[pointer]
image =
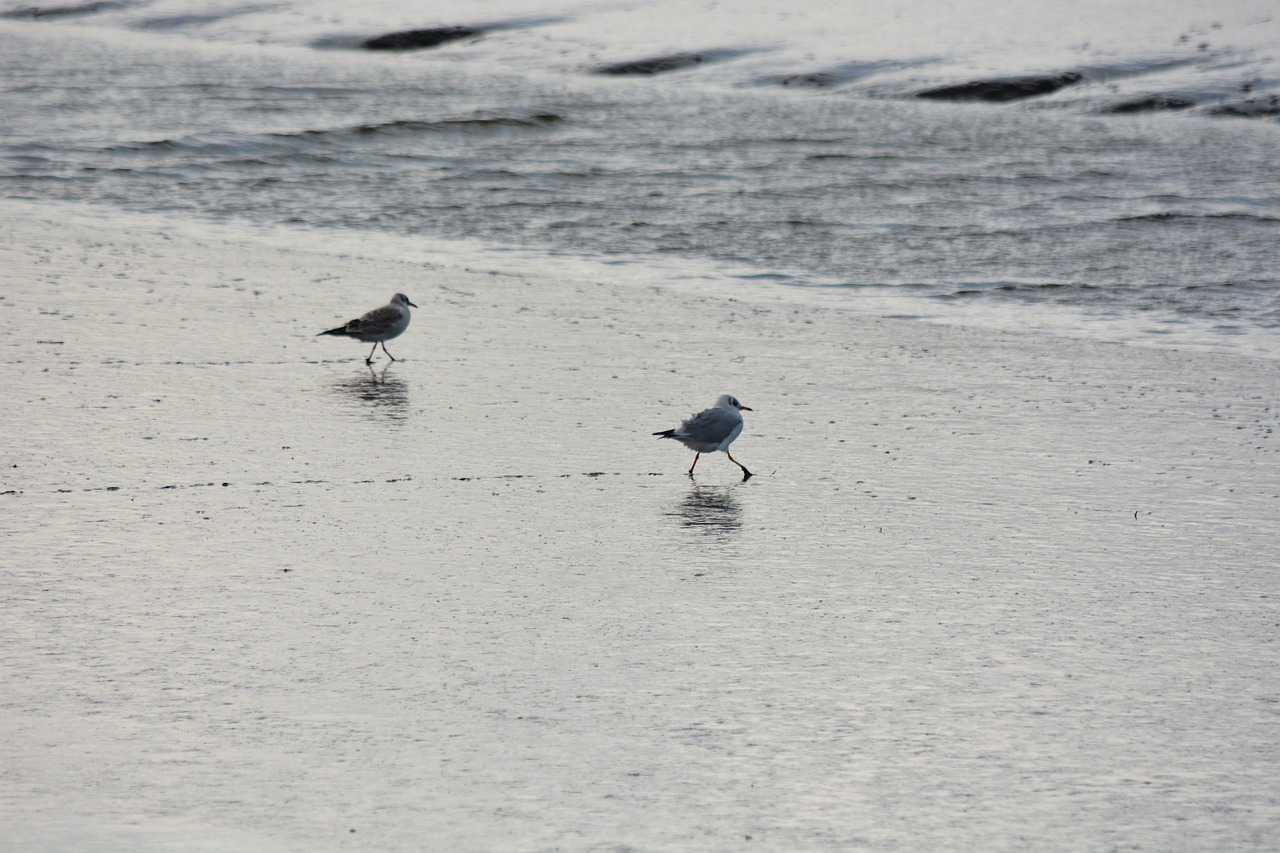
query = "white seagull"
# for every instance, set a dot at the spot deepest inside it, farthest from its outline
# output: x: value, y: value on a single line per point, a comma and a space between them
x: 711, y: 430
x: 379, y: 325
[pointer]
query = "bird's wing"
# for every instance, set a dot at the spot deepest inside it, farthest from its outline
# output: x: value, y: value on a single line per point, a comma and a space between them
x: 379, y: 318
x: 712, y: 425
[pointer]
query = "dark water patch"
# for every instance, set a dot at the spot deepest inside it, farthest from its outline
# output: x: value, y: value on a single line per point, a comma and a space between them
x: 813, y: 80
x: 654, y: 65
x: 414, y: 126
x: 766, y: 276
x: 37, y: 13
x: 494, y: 122
x: 429, y: 37
x: 828, y: 77
x: 1251, y: 108
x: 1149, y: 104
x: 1002, y: 89
x: 252, y: 147
x: 420, y: 39
x: 151, y: 145
x: 1040, y: 288
x: 399, y: 42
x: 1258, y: 284
x: 1179, y: 218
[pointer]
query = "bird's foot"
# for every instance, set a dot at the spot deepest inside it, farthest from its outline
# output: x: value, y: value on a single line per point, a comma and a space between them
x: 746, y: 475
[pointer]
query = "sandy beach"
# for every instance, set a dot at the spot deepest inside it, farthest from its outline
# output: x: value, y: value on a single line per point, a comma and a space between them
x: 988, y: 590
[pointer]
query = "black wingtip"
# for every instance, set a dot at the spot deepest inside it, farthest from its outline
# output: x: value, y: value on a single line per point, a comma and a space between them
x: 666, y: 433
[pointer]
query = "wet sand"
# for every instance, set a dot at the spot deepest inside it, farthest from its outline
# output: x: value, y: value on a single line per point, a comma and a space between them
x: 987, y: 590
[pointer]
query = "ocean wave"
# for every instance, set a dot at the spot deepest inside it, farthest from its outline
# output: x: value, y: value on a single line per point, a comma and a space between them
x: 1185, y: 218
x: 233, y: 143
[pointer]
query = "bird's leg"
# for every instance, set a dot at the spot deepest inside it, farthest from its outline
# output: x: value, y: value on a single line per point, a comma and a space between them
x: 695, y: 462
x: 369, y: 360
x: 387, y: 351
x: 746, y: 475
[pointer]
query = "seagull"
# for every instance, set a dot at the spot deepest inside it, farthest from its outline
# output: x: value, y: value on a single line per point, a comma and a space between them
x: 379, y: 325
x: 711, y: 430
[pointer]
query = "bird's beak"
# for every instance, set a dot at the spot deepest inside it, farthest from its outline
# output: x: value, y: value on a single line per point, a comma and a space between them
x: 746, y: 408
x: 411, y: 305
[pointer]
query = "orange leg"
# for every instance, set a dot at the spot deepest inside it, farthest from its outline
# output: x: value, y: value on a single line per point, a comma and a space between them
x: 695, y: 463
x: 746, y: 475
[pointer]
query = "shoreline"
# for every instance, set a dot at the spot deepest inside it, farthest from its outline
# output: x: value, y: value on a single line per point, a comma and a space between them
x: 705, y: 277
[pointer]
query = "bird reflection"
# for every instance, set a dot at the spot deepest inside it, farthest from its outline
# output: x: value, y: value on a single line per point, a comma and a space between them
x: 711, y: 509
x: 381, y: 390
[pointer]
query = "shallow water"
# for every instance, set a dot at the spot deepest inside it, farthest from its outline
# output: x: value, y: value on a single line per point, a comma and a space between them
x: 985, y: 592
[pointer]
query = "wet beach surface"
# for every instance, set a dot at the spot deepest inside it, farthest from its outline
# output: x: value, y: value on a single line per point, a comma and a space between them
x: 987, y: 590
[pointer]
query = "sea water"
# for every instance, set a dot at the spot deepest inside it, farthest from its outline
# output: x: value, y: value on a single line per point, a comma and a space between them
x: 791, y: 148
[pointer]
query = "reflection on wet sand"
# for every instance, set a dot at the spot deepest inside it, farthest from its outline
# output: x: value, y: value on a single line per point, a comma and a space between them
x: 712, y: 509
x: 383, y: 391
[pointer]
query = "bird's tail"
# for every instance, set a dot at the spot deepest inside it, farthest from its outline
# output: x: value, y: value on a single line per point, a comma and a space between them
x: 666, y: 433
x: 348, y: 329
